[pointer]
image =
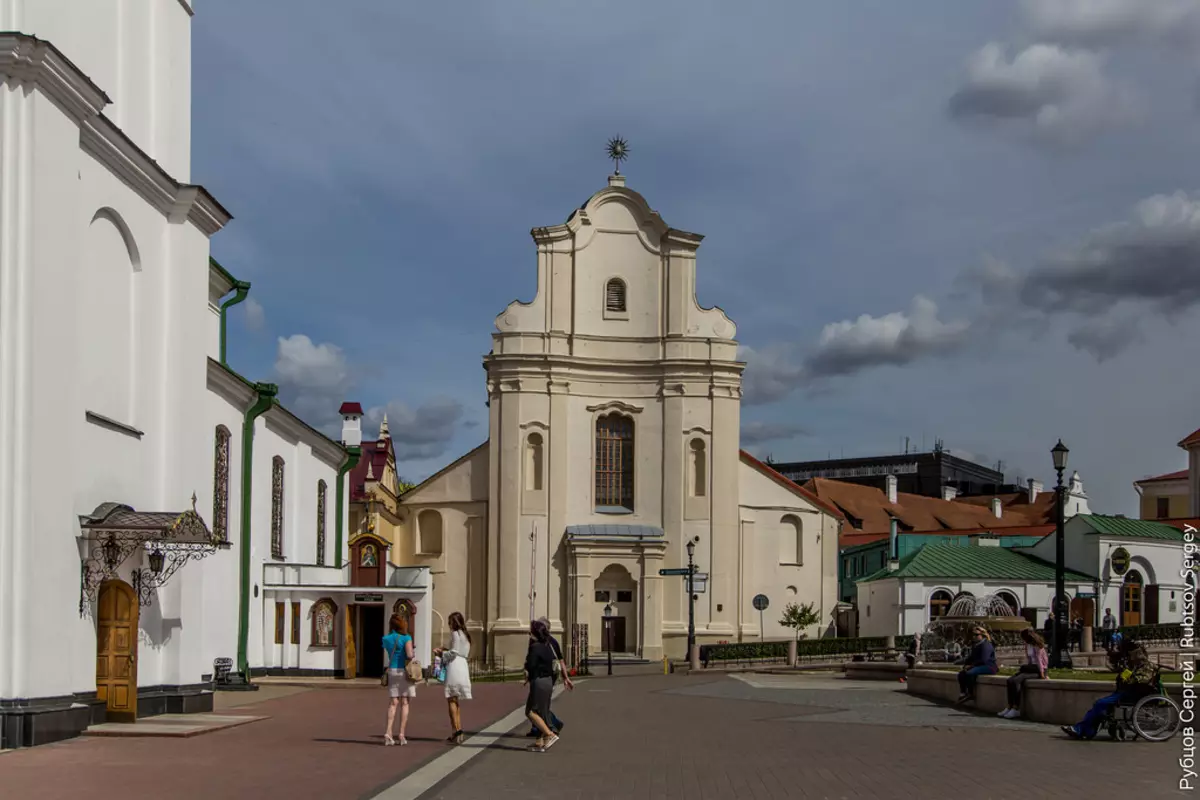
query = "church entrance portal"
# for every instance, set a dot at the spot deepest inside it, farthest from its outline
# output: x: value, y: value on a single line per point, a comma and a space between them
x: 617, y: 590
x: 116, y: 650
x: 369, y: 636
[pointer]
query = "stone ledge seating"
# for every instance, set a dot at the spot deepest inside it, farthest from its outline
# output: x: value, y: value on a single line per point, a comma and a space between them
x: 1055, y: 702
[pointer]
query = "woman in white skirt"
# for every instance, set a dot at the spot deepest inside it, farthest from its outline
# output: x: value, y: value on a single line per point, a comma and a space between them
x: 458, y: 674
x: 397, y: 652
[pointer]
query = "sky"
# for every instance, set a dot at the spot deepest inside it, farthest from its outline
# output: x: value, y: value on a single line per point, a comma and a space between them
x: 974, y: 222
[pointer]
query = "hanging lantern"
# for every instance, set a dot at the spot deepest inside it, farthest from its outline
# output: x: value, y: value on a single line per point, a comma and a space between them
x: 156, y: 561
x: 112, y: 552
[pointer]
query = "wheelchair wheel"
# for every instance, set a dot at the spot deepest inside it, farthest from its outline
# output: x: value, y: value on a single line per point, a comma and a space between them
x: 1155, y: 718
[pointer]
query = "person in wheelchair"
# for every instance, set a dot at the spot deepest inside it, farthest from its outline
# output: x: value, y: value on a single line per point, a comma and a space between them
x: 1136, y: 678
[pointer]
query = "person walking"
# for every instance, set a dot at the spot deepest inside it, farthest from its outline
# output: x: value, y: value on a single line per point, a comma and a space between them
x: 539, y: 677
x: 458, y: 673
x: 1109, y: 626
x: 1036, y: 661
x: 397, y: 652
x: 980, y: 661
x: 556, y: 724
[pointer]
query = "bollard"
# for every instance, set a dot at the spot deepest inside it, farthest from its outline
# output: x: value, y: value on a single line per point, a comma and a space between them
x: 792, y: 658
x: 1086, y: 640
x: 666, y: 666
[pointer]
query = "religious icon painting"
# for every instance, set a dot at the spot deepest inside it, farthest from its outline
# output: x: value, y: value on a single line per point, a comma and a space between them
x: 323, y: 615
x: 369, y: 558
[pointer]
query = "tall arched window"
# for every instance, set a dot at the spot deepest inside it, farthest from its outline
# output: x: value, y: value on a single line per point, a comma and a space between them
x: 429, y: 533
x: 321, y: 523
x: 220, y: 518
x: 939, y: 604
x: 277, y: 507
x: 791, y: 545
x: 614, y: 463
x: 533, y: 462
x: 697, y: 468
x: 614, y: 295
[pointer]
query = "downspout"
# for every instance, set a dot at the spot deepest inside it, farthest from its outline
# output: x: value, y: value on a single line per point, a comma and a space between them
x: 266, y: 398
x: 241, y: 289
x: 353, y: 454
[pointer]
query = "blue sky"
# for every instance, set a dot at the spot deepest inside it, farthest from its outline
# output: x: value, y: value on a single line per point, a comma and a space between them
x: 973, y: 221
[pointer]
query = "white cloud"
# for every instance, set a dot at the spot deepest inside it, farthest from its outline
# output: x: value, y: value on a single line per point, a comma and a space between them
x: 254, y: 316
x: 313, y: 380
x: 770, y: 375
x: 421, y: 432
x: 1101, y: 23
x: 1057, y: 95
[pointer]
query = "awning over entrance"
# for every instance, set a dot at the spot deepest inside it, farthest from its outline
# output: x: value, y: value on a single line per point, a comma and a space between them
x: 114, y: 531
x: 620, y: 532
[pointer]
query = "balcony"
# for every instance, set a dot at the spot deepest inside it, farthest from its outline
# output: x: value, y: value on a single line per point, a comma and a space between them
x: 277, y: 575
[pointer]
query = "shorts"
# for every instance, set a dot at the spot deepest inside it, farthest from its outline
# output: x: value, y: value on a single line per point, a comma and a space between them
x: 399, y: 685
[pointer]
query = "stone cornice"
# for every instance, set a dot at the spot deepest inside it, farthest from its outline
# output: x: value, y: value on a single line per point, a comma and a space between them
x: 35, y: 62
x: 576, y: 366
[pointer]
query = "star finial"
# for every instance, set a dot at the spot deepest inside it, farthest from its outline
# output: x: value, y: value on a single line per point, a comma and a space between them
x: 618, y: 151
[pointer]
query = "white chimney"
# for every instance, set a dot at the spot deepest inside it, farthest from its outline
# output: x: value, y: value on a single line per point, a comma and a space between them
x: 352, y: 414
x: 996, y: 507
x: 949, y: 493
x: 1035, y: 488
x: 890, y: 482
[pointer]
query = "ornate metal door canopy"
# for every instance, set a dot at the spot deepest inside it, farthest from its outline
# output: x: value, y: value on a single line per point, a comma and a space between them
x: 114, y: 531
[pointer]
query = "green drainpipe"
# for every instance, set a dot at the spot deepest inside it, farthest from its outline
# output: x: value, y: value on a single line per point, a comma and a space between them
x: 353, y: 453
x: 241, y: 289
x: 266, y: 398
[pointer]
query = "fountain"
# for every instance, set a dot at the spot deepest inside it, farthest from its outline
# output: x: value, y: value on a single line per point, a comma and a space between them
x: 946, y: 637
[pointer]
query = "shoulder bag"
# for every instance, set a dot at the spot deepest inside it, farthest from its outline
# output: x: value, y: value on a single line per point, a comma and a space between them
x: 413, y: 670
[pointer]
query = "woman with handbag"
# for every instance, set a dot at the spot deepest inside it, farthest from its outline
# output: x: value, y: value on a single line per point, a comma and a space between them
x: 458, y: 675
x: 1034, y: 666
x: 398, y: 655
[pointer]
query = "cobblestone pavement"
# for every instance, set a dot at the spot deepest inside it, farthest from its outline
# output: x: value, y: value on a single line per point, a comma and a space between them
x: 322, y: 743
x: 770, y: 736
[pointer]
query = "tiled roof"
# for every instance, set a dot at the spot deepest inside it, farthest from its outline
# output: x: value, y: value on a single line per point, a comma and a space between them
x: 854, y: 539
x: 987, y: 563
x: 1170, y: 476
x: 375, y: 455
x: 1132, y: 528
x: 1181, y: 522
x: 351, y: 408
x: 792, y: 486
x: 869, y: 508
x: 1039, y: 512
x: 1191, y: 440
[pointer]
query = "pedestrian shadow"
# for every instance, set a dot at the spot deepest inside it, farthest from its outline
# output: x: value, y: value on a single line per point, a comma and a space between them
x: 375, y: 741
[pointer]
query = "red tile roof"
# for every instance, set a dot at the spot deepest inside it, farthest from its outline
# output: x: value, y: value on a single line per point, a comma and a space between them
x: 1170, y: 476
x: 375, y: 455
x: 1192, y: 440
x: 1181, y: 522
x: 351, y: 408
x: 792, y: 486
x: 1039, y: 512
x: 854, y: 538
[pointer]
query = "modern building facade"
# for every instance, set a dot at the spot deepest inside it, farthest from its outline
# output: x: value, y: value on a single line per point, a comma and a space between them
x: 613, y: 442
x: 927, y: 473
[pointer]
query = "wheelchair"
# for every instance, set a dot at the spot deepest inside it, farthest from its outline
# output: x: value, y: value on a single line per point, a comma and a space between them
x: 1154, y: 717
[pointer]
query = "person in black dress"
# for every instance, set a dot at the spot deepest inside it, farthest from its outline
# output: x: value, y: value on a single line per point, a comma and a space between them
x: 539, y: 677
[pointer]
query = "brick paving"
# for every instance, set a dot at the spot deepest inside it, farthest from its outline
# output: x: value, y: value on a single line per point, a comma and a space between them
x: 316, y: 744
x: 751, y: 737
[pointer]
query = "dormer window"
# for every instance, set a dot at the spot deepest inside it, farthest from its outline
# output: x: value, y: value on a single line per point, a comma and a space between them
x: 614, y: 299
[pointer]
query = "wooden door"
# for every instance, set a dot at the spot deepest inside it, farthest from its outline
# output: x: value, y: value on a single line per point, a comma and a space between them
x: 351, y: 654
x: 116, y: 650
x: 616, y: 635
x: 1131, y: 604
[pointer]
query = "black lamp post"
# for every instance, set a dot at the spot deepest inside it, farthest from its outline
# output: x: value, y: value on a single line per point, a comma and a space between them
x: 608, y: 610
x: 1059, y: 657
x: 693, y: 656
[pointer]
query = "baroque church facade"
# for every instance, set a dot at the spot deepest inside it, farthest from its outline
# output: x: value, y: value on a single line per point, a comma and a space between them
x: 614, y: 411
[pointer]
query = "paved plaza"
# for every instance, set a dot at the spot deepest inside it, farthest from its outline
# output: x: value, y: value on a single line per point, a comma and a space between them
x: 708, y: 736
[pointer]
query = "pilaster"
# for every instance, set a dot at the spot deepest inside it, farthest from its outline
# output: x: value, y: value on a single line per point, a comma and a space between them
x: 651, y: 605
x: 724, y: 550
x: 672, y: 491
x: 558, y: 482
x: 509, y: 506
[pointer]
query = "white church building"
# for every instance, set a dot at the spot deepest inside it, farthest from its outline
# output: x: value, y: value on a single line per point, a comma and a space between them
x: 615, y: 405
x: 196, y: 522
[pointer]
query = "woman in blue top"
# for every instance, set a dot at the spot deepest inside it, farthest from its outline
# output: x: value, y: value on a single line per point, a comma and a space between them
x: 397, y: 651
x: 981, y: 661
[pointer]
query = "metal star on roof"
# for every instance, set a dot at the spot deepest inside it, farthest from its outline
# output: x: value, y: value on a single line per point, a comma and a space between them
x: 618, y: 151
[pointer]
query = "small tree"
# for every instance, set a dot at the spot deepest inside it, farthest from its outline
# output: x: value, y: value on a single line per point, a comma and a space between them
x: 799, y: 617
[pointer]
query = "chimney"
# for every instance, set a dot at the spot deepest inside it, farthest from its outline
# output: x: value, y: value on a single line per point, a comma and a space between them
x: 1035, y: 488
x: 997, y: 510
x: 949, y: 493
x: 890, y: 482
x: 893, y: 541
x: 352, y: 414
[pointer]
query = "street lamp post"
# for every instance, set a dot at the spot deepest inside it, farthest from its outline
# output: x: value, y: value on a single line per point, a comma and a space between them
x: 608, y: 610
x: 693, y: 652
x: 1059, y: 657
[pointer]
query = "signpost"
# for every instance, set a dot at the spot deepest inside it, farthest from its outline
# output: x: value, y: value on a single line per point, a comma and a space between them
x: 696, y: 582
x: 761, y: 602
x: 1119, y: 561
x: 677, y: 571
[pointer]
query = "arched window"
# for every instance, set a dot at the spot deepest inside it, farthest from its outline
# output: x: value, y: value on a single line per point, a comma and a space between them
x: 277, y: 507
x: 697, y: 468
x: 791, y: 544
x: 533, y: 462
x: 614, y: 463
x: 614, y: 295
x: 939, y: 604
x: 321, y: 523
x: 429, y: 533
x: 220, y: 523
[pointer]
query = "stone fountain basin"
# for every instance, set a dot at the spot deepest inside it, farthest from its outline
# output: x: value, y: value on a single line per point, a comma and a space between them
x: 991, y: 623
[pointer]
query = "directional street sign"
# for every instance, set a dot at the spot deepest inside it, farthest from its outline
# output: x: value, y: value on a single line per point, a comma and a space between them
x: 677, y: 571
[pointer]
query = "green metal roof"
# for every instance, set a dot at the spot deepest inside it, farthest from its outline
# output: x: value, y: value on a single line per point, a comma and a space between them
x: 987, y: 563
x: 1132, y: 528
